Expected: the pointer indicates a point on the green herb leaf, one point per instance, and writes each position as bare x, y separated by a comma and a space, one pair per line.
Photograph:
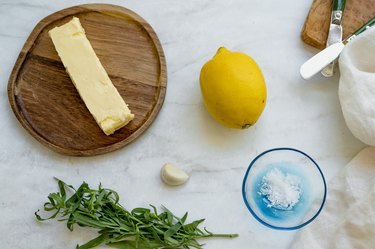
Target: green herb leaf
94, 242
141, 228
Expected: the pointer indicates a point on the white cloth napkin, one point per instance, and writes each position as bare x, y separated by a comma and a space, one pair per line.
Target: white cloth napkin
348, 217
357, 86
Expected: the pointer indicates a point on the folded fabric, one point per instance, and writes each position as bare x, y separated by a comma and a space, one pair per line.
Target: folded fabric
357, 86
348, 217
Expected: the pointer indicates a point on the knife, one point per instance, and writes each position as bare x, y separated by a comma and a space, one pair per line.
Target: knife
329, 54
335, 31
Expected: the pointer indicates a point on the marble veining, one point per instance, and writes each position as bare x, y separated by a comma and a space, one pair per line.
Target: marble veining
300, 114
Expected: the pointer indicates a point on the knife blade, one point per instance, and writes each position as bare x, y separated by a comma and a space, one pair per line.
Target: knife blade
329, 54
335, 32
320, 60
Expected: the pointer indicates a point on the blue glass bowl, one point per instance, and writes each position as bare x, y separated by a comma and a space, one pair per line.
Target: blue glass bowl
287, 162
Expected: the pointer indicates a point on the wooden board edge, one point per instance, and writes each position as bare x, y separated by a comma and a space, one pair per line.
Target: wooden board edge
11, 89
305, 37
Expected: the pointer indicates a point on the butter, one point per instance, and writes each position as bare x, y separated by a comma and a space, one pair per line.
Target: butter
89, 77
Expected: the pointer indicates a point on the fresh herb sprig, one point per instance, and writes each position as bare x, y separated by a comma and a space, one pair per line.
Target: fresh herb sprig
141, 228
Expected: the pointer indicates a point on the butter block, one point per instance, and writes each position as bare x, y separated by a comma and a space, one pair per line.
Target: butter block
89, 77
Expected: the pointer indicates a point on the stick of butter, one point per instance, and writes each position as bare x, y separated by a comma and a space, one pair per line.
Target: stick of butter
89, 77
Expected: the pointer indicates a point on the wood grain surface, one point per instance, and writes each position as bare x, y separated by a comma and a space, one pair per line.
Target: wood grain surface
46, 102
315, 29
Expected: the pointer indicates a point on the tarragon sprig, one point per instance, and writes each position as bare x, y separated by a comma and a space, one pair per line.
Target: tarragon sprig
141, 228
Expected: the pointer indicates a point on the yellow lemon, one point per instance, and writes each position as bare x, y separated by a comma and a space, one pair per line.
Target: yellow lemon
233, 89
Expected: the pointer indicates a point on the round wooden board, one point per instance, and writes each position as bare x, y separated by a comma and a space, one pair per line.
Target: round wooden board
46, 102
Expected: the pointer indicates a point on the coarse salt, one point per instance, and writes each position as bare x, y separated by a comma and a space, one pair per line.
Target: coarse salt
282, 191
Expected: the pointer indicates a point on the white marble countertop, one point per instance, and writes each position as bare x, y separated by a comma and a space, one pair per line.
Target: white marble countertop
300, 114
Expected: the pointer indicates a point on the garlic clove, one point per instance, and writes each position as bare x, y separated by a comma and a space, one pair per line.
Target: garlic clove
173, 175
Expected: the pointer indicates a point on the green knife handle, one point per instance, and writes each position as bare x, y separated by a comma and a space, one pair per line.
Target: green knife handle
338, 5
337, 11
361, 29
365, 26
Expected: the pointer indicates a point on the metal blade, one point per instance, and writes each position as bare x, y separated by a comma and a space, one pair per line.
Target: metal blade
329, 69
334, 35
320, 60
